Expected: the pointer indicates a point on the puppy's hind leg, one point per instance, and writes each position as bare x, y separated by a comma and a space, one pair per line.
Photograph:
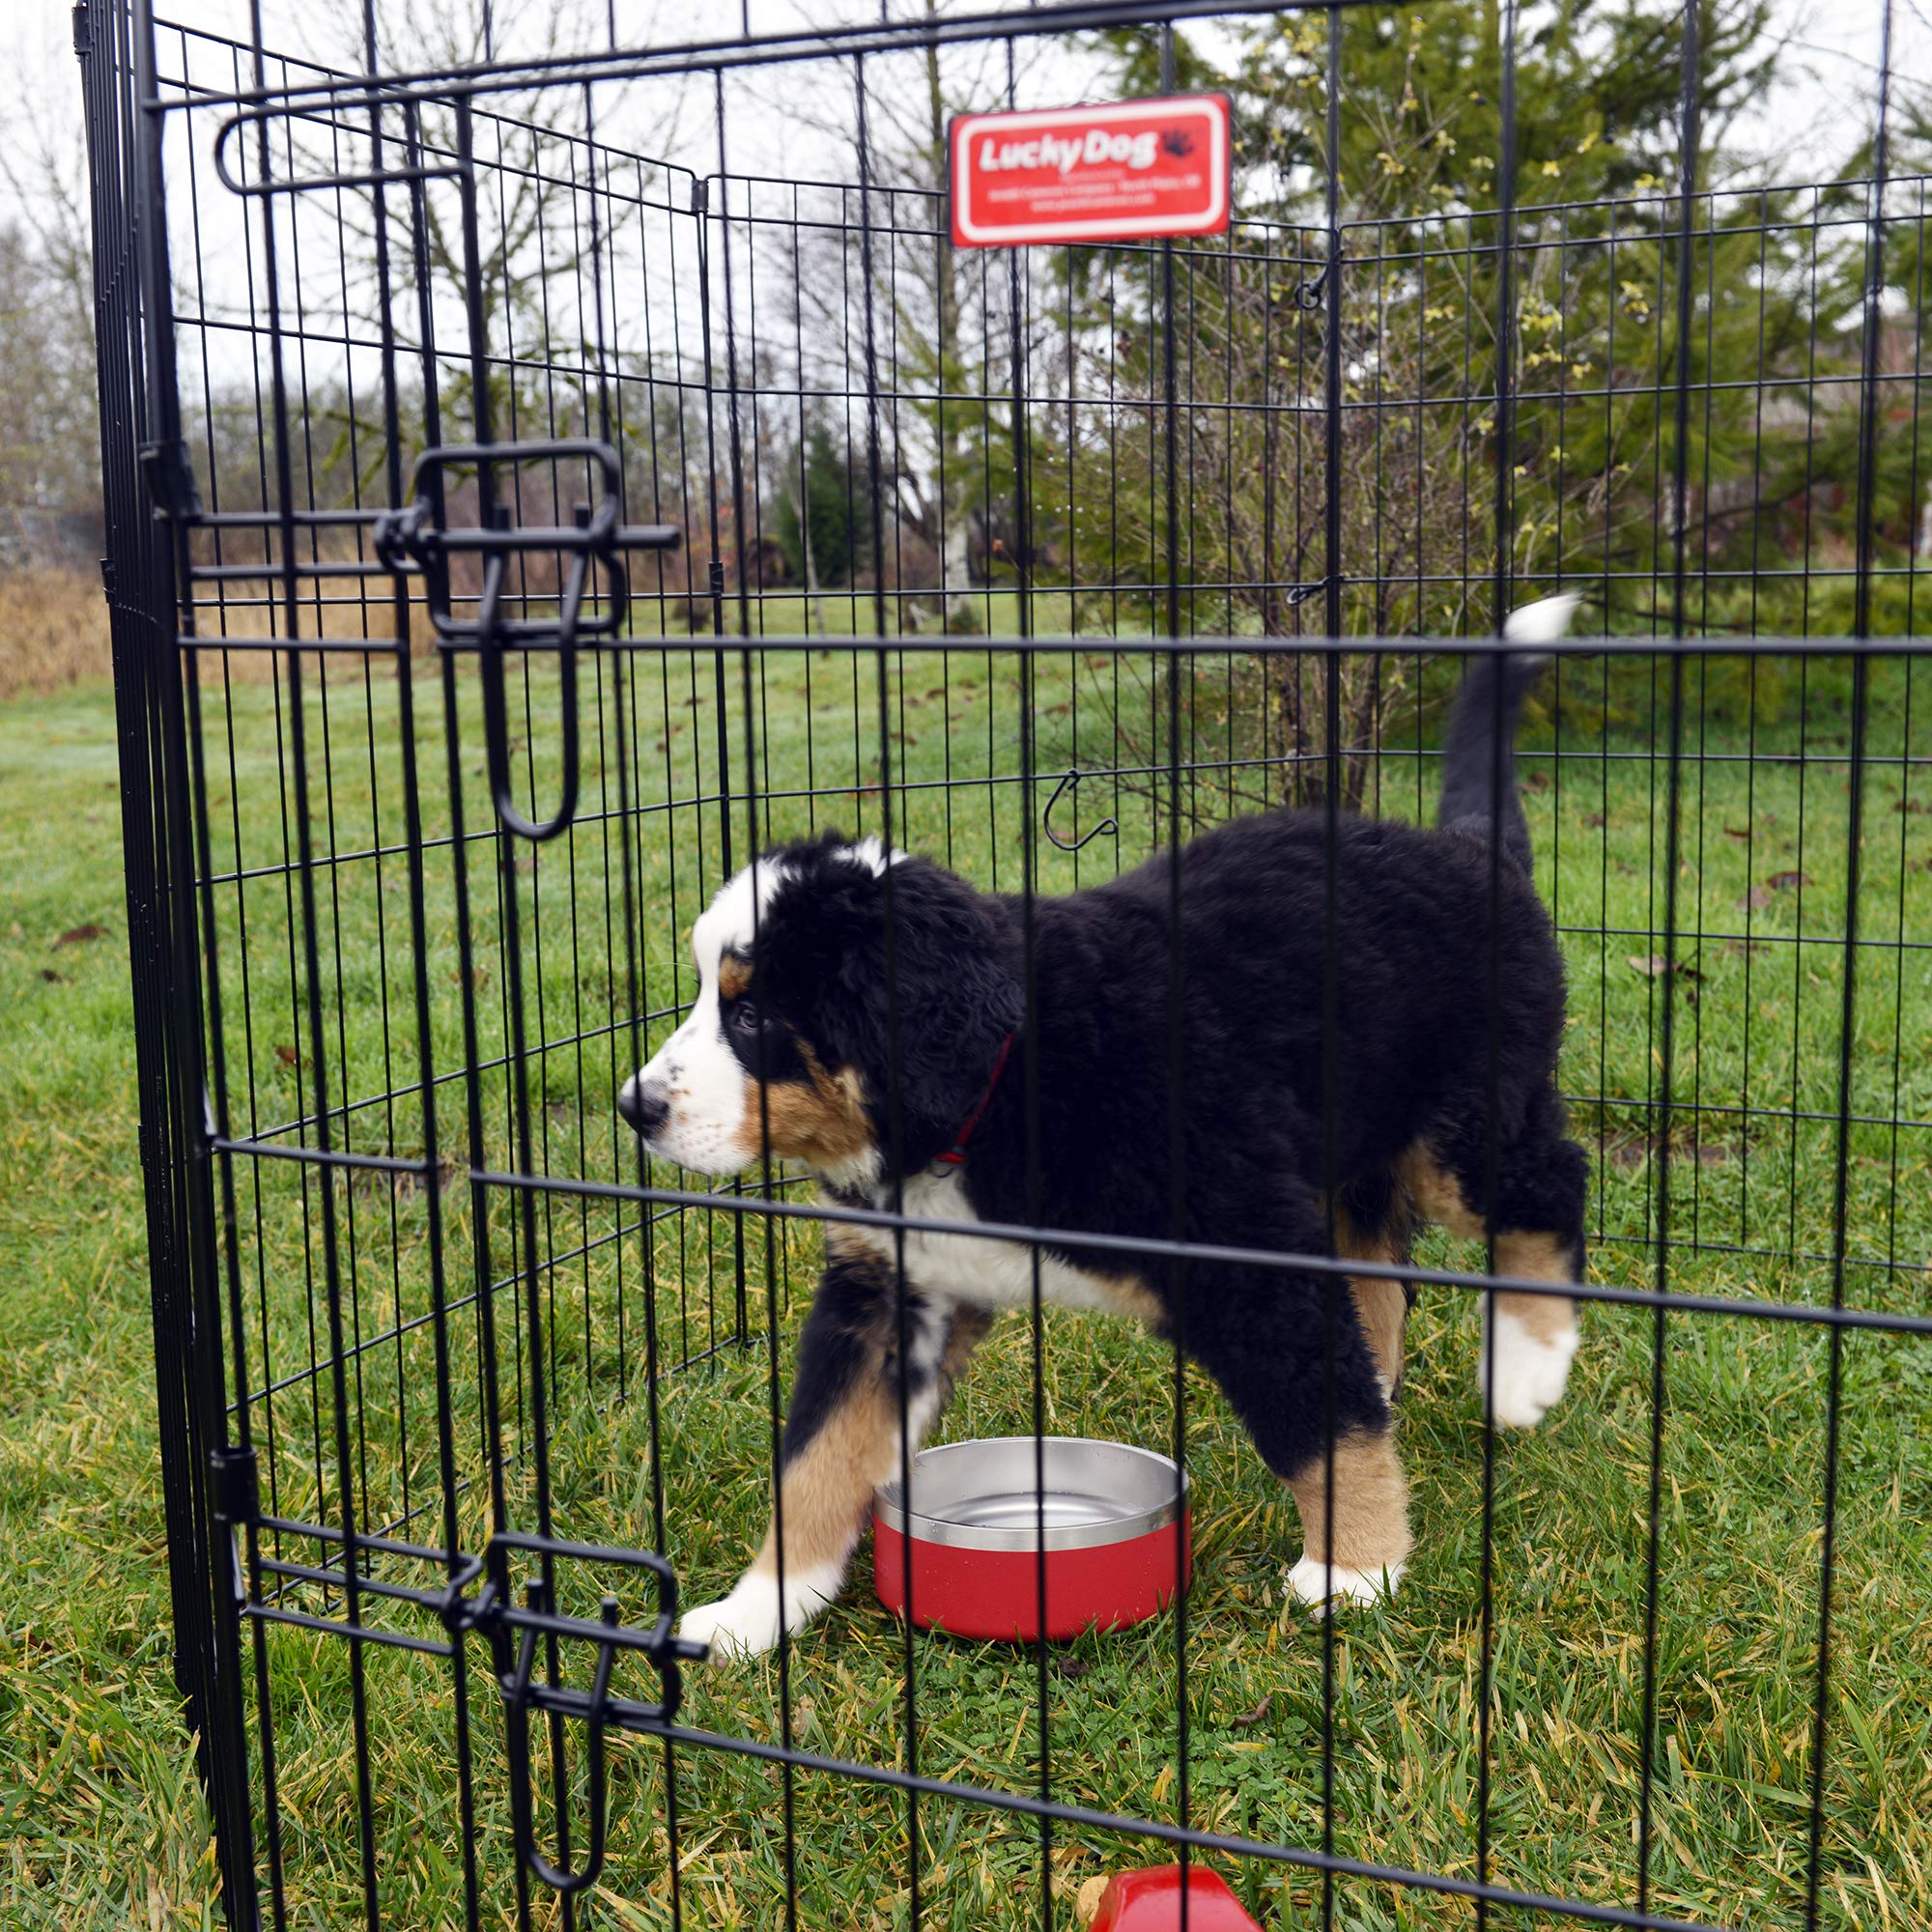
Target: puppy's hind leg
1542, 1187
1356, 1552
1372, 1224
1296, 1363
841, 1440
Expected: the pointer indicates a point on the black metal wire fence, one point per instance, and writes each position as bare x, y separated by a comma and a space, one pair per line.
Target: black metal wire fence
511, 533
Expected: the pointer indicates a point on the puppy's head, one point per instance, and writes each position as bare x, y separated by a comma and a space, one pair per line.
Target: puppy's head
813, 964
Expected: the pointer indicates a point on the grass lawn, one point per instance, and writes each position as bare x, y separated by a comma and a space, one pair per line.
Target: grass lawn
102, 1821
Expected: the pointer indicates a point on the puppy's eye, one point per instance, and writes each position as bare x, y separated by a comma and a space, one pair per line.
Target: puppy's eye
745, 1016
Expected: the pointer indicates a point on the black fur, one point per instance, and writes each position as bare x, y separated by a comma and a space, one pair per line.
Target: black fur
851, 1339
1412, 916
1479, 769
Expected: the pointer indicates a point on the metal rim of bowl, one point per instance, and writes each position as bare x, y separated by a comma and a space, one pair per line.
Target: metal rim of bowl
1025, 1541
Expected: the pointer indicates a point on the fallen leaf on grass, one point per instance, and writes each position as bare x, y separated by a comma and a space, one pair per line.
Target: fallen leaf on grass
79, 934
1074, 1667
1631, 1155
1743, 831
1654, 966
288, 1055
1757, 897
58, 979
1593, 818
1087, 1903
1778, 881
1911, 804
1537, 781
1254, 1716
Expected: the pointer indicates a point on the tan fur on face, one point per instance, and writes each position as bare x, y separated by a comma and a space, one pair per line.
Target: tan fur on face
1380, 1305
820, 1120
734, 976
1370, 1526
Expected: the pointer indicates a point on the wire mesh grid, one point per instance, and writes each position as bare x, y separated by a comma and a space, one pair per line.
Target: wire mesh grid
544, 529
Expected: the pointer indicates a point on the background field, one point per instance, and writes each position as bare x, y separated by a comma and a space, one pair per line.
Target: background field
101, 1815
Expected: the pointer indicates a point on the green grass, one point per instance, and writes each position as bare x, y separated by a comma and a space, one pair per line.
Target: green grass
103, 1822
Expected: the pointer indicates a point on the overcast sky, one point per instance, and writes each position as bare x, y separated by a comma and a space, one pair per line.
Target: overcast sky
1806, 129
782, 120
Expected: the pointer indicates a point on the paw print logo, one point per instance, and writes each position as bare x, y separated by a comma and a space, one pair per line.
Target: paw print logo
1177, 142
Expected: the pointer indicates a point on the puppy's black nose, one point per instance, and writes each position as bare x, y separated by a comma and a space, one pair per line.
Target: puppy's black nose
644, 1108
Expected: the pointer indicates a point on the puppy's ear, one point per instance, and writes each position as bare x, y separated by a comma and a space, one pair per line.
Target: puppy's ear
960, 999
951, 999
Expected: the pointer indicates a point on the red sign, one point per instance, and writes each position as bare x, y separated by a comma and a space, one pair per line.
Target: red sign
1130, 171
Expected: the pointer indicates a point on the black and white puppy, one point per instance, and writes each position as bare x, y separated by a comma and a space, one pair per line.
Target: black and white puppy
862, 1012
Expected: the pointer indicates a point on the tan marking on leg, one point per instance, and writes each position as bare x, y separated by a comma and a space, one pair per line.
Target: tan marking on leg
1371, 1525
734, 976
827, 1485
1380, 1305
1435, 1193
1532, 1253
1537, 1256
820, 1120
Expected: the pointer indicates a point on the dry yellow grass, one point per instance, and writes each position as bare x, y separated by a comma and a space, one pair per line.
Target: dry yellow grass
53, 630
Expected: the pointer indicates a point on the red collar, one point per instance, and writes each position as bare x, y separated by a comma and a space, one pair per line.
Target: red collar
955, 1154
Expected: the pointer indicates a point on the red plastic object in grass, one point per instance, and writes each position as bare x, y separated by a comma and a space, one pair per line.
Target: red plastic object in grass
1150, 1901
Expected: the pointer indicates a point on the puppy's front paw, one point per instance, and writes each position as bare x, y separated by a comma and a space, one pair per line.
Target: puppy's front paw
744, 1624
747, 1622
1530, 1373
1315, 1583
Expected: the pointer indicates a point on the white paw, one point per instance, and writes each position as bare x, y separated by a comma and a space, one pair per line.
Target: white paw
1529, 1375
746, 1623
1314, 1582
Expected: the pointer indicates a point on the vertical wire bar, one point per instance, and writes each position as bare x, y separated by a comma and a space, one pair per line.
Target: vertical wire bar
413, 838
1869, 406
1503, 570
787, 1771
1016, 258
894, 1097
1689, 136
312, 972
630, 865
490, 1403
524, 1152
1176, 1121
1331, 965
717, 592
143, 379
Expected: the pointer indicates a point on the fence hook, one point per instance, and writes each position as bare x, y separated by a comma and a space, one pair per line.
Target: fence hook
517, 1717
1072, 783
1308, 293
1302, 592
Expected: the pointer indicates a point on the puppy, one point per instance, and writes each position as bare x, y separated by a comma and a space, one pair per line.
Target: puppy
862, 1012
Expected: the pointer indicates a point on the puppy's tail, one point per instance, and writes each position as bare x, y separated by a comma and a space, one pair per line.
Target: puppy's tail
1472, 753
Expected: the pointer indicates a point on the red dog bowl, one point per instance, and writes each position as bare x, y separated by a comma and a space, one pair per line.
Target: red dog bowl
1110, 1545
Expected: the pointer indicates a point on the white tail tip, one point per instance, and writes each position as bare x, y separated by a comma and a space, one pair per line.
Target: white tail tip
1543, 621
